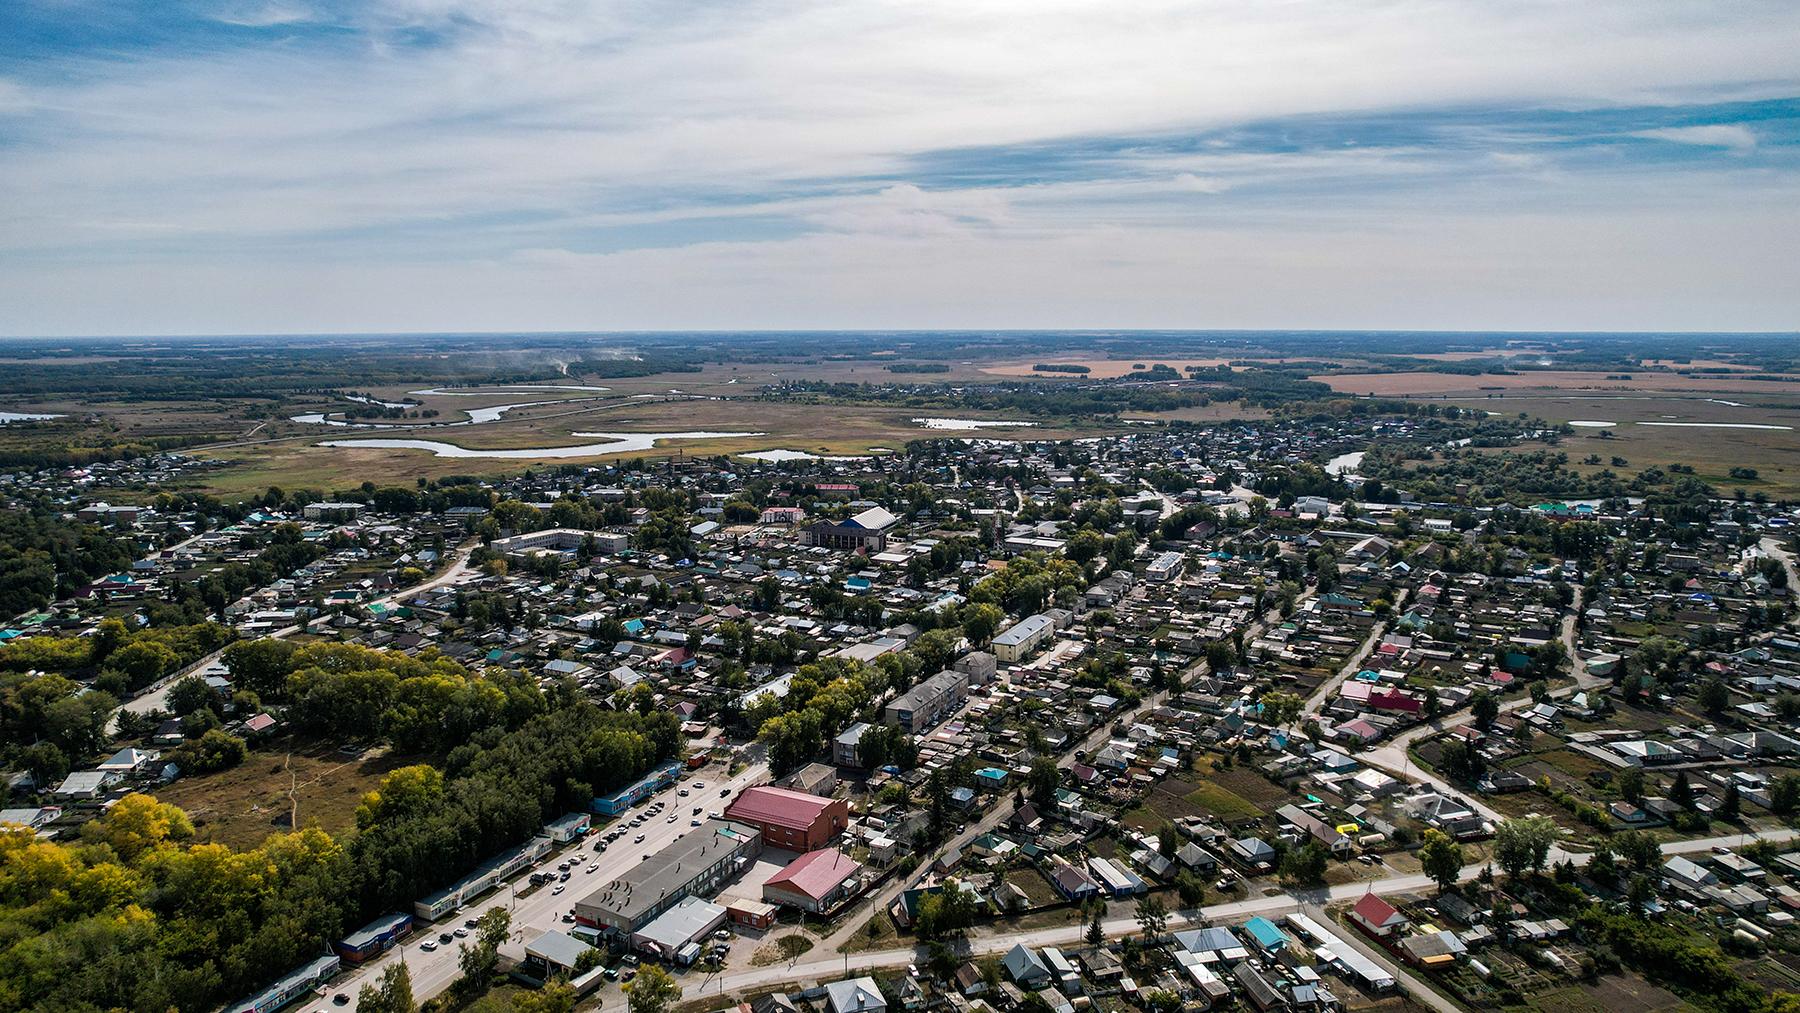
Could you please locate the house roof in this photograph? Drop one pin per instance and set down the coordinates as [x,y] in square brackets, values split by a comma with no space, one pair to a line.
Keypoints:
[778,806]
[858,995]
[1376,911]
[816,873]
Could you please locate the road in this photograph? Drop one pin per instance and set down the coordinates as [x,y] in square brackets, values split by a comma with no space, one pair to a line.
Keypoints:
[1774,547]
[1231,913]
[1394,756]
[156,698]
[1354,664]
[434,971]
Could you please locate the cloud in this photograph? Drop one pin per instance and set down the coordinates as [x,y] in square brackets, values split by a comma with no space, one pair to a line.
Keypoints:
[1734,136]
[404,138]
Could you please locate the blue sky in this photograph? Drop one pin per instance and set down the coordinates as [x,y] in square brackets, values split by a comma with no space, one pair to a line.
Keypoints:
[285,165]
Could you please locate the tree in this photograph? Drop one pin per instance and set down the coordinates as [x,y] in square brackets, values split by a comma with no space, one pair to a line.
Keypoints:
[1044,779]
[1630,783]
[1730,806]
[1485,709]
[654,991]
[191,693]
[1682,792]
[1441,858]
[980,620]
[1281,708]
[137,823]
[1461,761]
[261,665]
[1523,845]
[557,996]
[1152,917]
[1713,697]
[1305,864]
[391,993]
[1639,850]
[477,962]
[1784,794]
[1191,888]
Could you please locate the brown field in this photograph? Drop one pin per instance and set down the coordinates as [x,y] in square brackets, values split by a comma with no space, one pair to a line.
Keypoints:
[1548,381]
[1774,453]
[241,806]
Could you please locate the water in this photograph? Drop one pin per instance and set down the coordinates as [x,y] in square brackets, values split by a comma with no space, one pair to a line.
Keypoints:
[795,455]
[1591,424]
[617,443]
[1714,425]
[937,423]
[6,417]
[1345,464]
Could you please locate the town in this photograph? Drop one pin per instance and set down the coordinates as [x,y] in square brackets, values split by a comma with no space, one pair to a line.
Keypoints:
[1174,719]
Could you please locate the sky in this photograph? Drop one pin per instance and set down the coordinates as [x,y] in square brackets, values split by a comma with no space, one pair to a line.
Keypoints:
[274,166]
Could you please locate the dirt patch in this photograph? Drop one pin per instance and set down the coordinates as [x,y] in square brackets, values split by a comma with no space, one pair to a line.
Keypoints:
[787,948]
[241,806]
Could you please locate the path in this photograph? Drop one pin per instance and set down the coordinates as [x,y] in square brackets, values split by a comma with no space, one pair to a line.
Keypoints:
[1354,664]
[832,969]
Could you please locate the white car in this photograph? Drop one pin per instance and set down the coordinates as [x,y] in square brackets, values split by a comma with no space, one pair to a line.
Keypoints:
[557,889]
[428,945]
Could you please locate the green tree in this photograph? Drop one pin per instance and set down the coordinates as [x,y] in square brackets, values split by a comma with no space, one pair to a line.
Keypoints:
[1485,709]
[191,693]
[1440,858]
[557,996]
[261,665]
[391,993]
[1523,844]
[1305,864]
[1713,697]
[1044,779]
[1152,917]
[477,962]
[654,991]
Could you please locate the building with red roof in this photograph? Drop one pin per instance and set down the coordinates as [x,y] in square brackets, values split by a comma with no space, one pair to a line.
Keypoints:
[816,882]
[794,820]
[1376,916]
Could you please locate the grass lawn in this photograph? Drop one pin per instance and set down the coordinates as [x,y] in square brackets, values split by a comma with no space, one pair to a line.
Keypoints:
[1037,889]
[1223,802]
[878,933]
[241,806]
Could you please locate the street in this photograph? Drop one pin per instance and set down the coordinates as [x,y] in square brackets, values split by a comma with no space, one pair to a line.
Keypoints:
[434,971]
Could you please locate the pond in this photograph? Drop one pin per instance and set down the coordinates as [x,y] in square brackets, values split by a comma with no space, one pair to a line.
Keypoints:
[6,417]
[1345,464]
[937,423]
[617,443]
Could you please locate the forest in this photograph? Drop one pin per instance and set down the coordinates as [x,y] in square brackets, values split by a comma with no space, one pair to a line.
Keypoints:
[135,915]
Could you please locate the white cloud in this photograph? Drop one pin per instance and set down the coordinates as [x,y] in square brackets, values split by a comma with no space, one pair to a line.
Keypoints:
[529,120]
[1734,136]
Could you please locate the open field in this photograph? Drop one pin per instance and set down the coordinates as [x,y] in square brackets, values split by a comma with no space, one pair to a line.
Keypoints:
[241,806]
[1548,381]
[298,461]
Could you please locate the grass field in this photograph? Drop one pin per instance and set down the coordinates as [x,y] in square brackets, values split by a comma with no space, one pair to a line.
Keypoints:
[241,806]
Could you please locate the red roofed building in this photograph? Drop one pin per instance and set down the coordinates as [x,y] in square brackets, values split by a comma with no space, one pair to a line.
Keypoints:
[793,820]
[815,882]
[1376,916]
[1395,700]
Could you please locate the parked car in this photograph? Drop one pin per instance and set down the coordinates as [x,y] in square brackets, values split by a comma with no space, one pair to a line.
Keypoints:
[446,938]
[427,946]
[639,840]
[461,933]
[559,888]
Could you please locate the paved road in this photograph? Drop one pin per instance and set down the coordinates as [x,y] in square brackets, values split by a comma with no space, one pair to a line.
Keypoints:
[1231,913]
[156,698]
[434,971]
